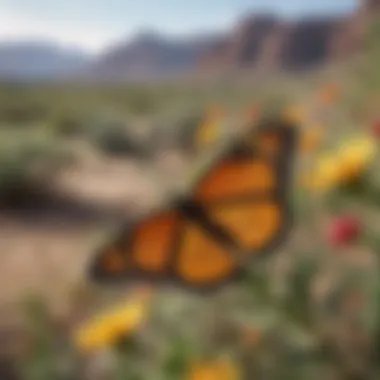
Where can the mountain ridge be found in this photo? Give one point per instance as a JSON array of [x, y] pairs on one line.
[[257, 42], [36, 60]]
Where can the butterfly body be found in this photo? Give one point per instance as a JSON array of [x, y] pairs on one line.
[[237, 211]]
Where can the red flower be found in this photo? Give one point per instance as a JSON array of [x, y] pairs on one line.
[[344, 231], [376, 129]]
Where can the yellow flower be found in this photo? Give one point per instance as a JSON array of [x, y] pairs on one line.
[[346, 166], [355, 156], [208, 131], [326, 175], [107, 328], [216, 370]]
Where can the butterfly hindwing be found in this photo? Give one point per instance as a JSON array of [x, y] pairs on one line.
[[202, 260], [204, 257], [168, 247], [143, 252]]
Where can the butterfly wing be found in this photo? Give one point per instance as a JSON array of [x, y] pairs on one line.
[[143, 252], [203, 259], [166, 247], [247, 193], [239, 206]]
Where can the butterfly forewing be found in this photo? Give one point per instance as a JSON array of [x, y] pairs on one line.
[[234, 178], [154, 241], [246, 194]]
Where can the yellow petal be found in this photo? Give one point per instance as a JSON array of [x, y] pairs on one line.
[[215, 370], [355, 156], [358, 150], [208, 131], [106, 328], [326, 175]]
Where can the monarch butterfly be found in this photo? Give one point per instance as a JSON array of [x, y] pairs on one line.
[[237, 211]]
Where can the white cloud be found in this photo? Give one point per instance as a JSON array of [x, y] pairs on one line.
[[15, 26]]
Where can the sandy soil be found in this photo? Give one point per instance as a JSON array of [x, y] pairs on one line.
[[45, 247]]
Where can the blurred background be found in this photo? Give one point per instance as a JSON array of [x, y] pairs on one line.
[[101, 108]]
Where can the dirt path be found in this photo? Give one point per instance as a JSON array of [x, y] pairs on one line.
[[36, 258], [45, 247]]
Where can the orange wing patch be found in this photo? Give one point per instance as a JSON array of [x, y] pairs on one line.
[[235, 178], [254, 225], [147, 249], [202, 260], [153, 242]]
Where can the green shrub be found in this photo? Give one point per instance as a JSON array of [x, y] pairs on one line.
[[140, 102], [70, 125], [23, 113], [113, 138], [177, 131], [26, 159]]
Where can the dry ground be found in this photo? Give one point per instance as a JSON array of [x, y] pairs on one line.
[[45, 247]]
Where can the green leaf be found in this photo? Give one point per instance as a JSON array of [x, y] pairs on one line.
[[178, 358], [259, 286], [297, 302]]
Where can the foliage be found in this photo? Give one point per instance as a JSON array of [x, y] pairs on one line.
[[114, 139], [27, 160]]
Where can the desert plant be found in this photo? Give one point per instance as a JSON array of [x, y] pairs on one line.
[[27, 161], [114, 138]]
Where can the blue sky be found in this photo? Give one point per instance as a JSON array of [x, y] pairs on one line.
[[93, 24]]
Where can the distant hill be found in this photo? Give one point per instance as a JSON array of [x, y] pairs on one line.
[[31, 60], [257, 42], [265, 42], [148, 56]]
